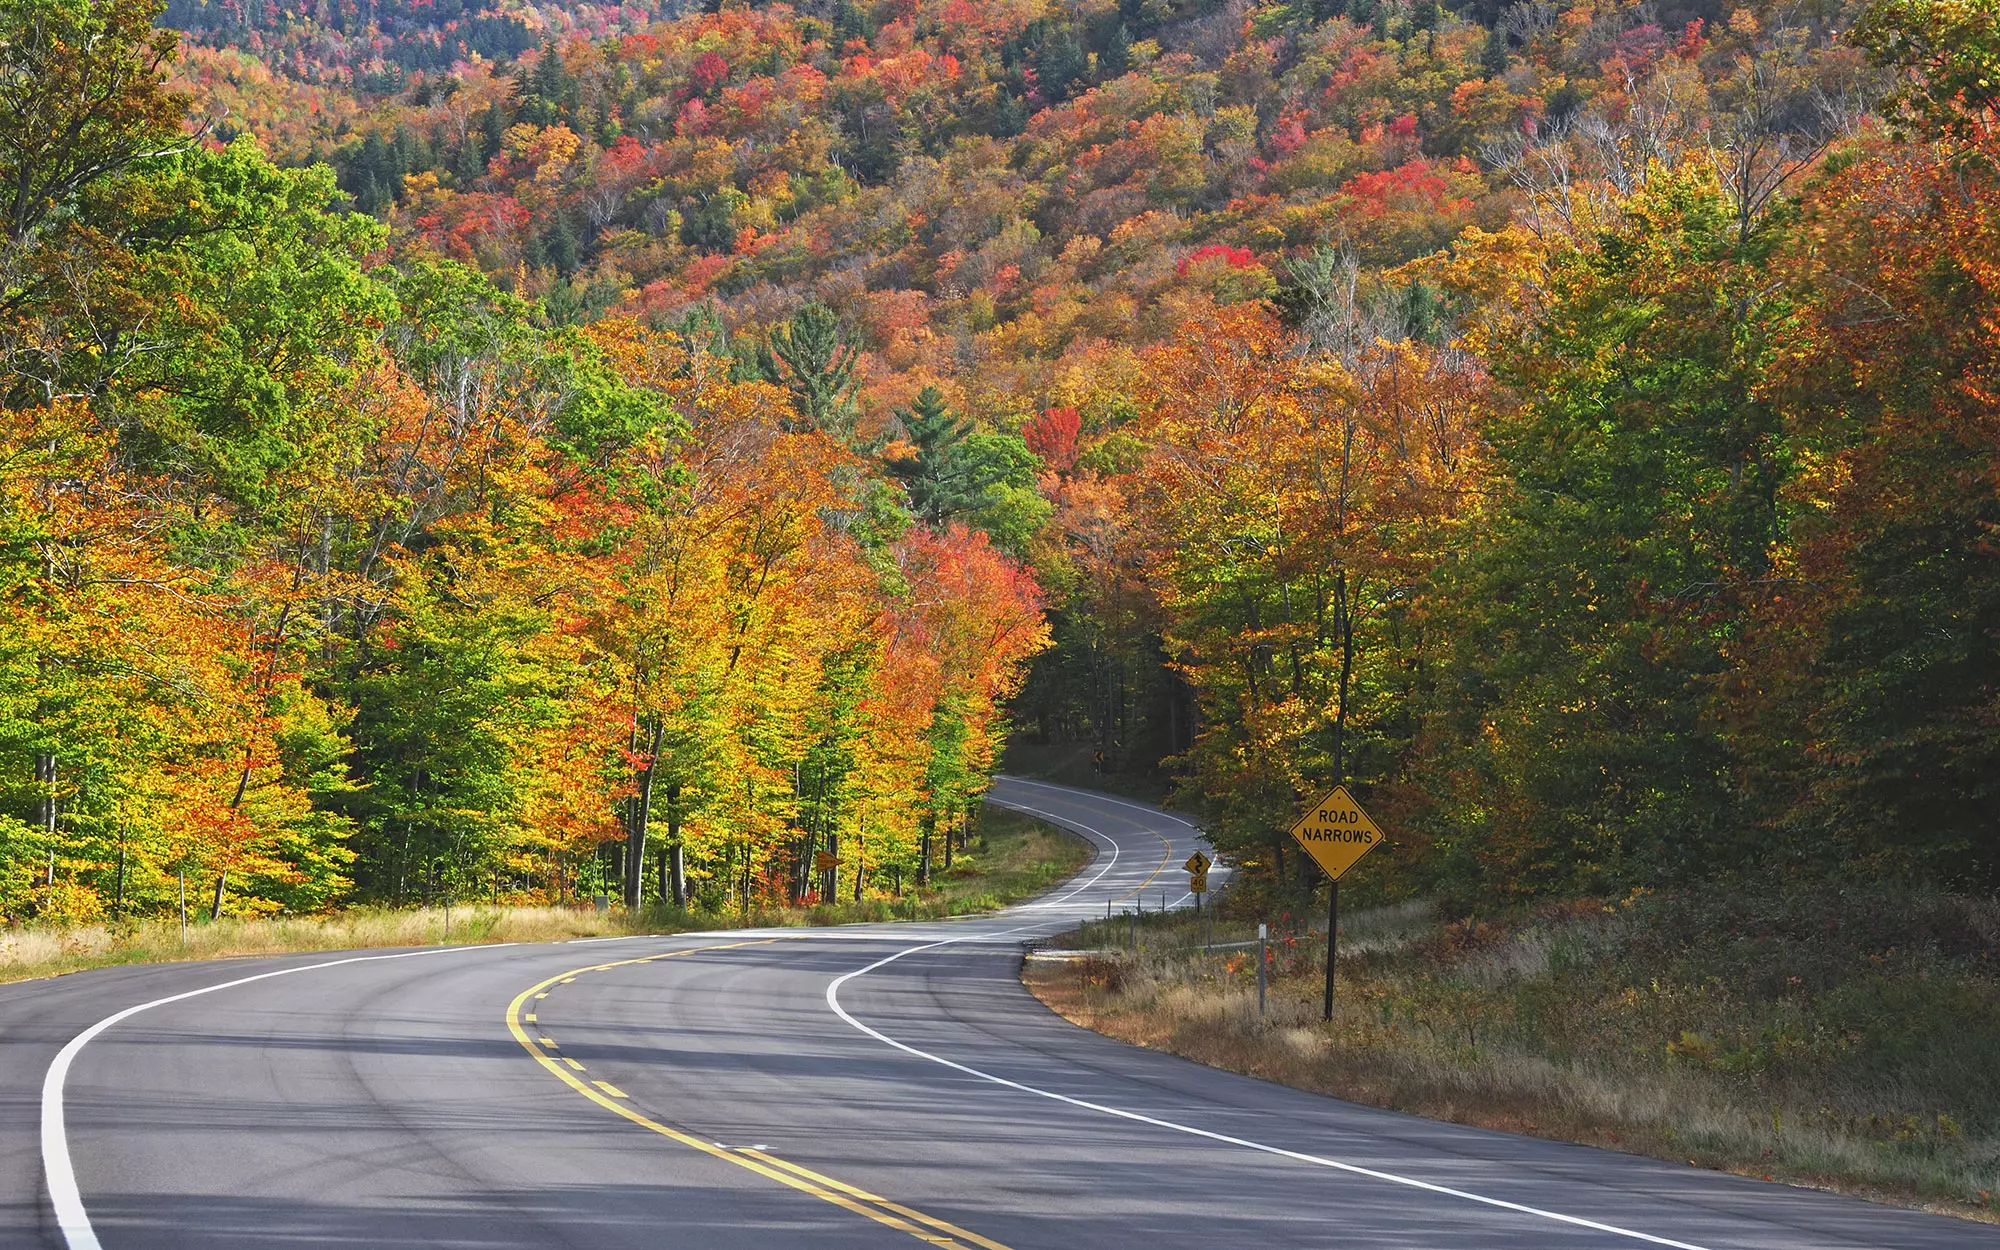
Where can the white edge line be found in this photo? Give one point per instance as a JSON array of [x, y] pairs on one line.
[[1094, 877], [71, 1218], [833, 1001]]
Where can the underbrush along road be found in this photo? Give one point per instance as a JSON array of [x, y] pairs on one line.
[[867, 1086]]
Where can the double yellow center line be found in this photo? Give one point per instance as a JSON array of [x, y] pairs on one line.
[[522, 1014]]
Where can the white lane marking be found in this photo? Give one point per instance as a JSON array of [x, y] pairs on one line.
[[833, 1001], [71, 1218]]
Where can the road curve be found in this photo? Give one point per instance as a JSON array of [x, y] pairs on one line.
[[864, 1086]]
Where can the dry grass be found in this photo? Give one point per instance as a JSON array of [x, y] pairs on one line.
[[1013, 858], [1396, 1043], [27, 953]]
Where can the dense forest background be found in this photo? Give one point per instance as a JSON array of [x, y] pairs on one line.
[[484, 449]]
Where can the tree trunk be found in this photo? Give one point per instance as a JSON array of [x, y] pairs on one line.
[[1343, 623], [45, 798], [676, 853], [221, 885], [642, 811]]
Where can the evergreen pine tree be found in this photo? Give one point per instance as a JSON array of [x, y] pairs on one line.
[[1493, 57], [467, 168], [1117, 55], [817, 368], [933, 475], [701, 327], [1010, 116], [560, 241], [1059, 63], [492, 133]]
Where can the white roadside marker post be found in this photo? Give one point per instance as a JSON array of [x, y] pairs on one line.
[[1263, 957]]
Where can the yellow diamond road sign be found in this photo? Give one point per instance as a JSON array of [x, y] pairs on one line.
[[1337, 832], [1197, 863]]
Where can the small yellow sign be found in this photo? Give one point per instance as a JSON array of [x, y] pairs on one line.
[[1198, 883], [1197, 863], [1337, 832], [826, 861]]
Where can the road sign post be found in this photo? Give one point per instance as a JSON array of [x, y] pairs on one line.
[[1336, 833], [1332, 941], [1197, 867]]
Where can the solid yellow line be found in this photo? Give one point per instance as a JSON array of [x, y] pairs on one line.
[[865, 1196], [823, 1188]]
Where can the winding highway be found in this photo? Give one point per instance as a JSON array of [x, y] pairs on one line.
[[853, 1087]]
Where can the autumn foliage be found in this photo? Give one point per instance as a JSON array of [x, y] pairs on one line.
[[535, 452]]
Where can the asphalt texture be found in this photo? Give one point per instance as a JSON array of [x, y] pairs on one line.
[[707, 1091]]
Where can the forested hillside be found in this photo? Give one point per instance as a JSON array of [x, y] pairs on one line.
[[446, 445]]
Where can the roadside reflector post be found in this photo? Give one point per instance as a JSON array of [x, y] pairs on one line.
[[1263, 957], [1336, 833]]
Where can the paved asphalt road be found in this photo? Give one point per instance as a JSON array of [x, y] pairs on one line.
[[840, 1088]]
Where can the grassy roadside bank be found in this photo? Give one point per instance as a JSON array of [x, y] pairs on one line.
[[1846, 1041], [1011, 858]]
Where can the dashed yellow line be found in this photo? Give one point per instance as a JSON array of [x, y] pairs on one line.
[[924, 1228]]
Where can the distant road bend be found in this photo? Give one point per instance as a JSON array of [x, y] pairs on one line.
[[845, 1087]]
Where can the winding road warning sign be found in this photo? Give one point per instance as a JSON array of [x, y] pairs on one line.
[[1337, 832]]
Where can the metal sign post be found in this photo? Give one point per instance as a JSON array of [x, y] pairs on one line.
[[1197, 868], [1336, 833], [1332, 940]]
